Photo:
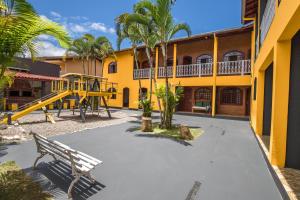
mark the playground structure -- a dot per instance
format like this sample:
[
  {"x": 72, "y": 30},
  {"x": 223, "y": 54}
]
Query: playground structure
[{"x": 87, "y": 90}]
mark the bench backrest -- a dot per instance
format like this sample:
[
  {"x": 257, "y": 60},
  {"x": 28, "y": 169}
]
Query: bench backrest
[{"x": 80, "y": 161}]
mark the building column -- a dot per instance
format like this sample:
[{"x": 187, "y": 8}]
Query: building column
[
  {"x": 259, "y": 102},
  {"x": 281, "y": 80},
  {"x": 174, "y": 60},
  {"x": 215, "y": 68},
  {"x": 156, "y": 63}
]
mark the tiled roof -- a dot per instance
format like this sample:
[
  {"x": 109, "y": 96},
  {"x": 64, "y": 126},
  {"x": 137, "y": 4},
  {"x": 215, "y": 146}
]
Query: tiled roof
[{"x": 23, "y": 75}]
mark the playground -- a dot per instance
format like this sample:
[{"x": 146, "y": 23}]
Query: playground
[{"x": 85, "y": 91}]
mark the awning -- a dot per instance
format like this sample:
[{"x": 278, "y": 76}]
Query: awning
[{"x": 23, "y": 75}]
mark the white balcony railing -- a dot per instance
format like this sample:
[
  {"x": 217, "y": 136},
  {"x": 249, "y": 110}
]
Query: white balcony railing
[
  {"x": 267, "y": 19},
  {"x": 162, "y": 72},
  {"x": 240, "y": 67},
  {"x": 142, "y": 73},
  {"x": 194, "y": 70}
]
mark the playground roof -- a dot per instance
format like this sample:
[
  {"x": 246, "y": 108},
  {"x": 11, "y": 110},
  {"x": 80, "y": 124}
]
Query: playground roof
[
  {"x": 24, "y": 75},
  {"x": 84, "y": 76}
]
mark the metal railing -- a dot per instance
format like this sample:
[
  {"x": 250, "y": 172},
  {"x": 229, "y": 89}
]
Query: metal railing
[
  {"x": 194, "y": 70},
  {"x": 267, "y": 19},
  {"x": 27, "y": 105},
  {"x": 142, "y": 73},
  {"x": 240, "y": 67},
  {"x": 162, "y": 72}
]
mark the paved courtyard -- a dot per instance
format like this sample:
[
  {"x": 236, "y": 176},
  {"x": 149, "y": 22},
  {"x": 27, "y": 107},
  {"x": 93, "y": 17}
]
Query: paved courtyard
[{"x": 224, "y": 163}]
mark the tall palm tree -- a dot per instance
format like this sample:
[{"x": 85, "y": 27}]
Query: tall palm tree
[
  {"x": 143, "y": 34},
  {"x": 164, "y": 29},
  {"x": 78, "y": 49},
  {"x": 20, "y": 26},
  {"x": 128, "y": 31}
]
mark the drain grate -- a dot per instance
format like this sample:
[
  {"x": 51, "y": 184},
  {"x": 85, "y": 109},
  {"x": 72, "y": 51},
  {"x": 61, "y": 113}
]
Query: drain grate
[{"x": 194, "y": 191}]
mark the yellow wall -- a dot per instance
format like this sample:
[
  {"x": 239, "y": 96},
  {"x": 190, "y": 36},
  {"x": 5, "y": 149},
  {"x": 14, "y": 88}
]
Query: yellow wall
[
  {"x": 277, "y": 49},
  {"x": 75, "y": 66},
  {"x": 124, "y": 78}
]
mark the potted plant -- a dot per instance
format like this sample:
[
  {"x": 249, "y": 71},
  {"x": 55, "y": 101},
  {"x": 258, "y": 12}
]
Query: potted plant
[{"x": 147, "y": 112}]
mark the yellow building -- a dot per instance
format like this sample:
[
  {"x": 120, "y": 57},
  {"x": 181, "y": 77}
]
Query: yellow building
[
  {"x": 72, "y": 64},
  {"x": 213, "y": 68},
  {"x": 275, "y": 102}
]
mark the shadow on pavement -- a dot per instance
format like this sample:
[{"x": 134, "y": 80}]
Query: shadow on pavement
[
  {"x": 160, "y": 136},
  {"x": 55, "y": 178}
]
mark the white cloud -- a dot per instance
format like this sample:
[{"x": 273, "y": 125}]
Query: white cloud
[
  {"x": 101, "y": 27},
  {"x": 76, "y": 28},
  {"x": 48, "y": 49},
  {"x": 55, "y": 14}
]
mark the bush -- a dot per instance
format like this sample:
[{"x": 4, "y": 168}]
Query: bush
[{"x": 147, "y": 107}]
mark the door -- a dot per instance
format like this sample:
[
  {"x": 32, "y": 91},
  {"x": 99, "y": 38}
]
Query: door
[
  {"x": 293, "y": 129},
  {"x": 126, "y": 97},
  {"x": 186, "y": 101},
  {"x": 248, "y": 99},
  {"x": 268, "y": 100}
]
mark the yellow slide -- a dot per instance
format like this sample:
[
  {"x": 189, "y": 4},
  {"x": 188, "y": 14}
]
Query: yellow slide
[{"x": 37, "y": 106}]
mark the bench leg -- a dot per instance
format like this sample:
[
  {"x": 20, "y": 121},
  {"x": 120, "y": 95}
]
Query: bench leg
[
  {"x": 72, "y": 185},
  {"x": 90, "y": 177},
  {"x": 54, "y": 157},
  {"x": 36, "y": 160}
]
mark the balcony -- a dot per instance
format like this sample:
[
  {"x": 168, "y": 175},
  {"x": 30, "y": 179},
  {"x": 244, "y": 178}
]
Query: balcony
[
  {"x": 194, "y": 70},
  {"x": 240, "y": 67},
  {"x": 142, "y": 73},
  {"x": 162, "y": 72},
  {"x": 267, "y": 19}
]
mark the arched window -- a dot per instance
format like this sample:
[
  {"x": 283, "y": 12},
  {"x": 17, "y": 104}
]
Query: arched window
[
  {"x": 187, "y": 60},
  {"x": 112, "y": 68},
  {"x": 170, "y": 62},
  {"x": 114, "y": 95},
  {"x": 232, "y": 96},
  {"x": 234, "y": 56},
  {"x": 204, "y": 59}
]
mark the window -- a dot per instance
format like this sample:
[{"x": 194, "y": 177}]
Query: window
[
  {"x": 114, "y": 95},
  {"x": 255, "y": 88},
  {"x": 232, "y": 96},
  {"x": 26, "y": 94},
  {"x": 145, "y": 65},
  {"x": 112, "y": 68},
  {"x": 203, "y": 94},
  {"x": 204, "y": 59},
  {"x": 144, "y": 94},
  {"x": 187, "y": 60},
  {"x": 170, "y": 62},
  {"x": 14, "y": 93},
  {"x": 234, "y": 56}
]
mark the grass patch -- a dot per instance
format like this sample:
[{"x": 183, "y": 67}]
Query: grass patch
[
  {"x": 174, "y": 132},
  {"x": 15, "y": 184}
]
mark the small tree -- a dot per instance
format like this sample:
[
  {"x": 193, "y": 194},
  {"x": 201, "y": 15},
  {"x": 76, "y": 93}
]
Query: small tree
[{"x": 170, "y": 100}]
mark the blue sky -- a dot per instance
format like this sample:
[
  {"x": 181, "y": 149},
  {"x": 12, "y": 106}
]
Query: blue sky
[{"x": 97, "y": 17}]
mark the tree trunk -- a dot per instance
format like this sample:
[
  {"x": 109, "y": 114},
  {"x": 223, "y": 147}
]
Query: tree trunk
[
  {"x": 138, "y": 68},
  {"x": 95, "y": 66},
  {"x": 166, "y": 120},
  {"x": 150, "y": 59},
  {"x": 83, "y": 66},
  {"x": 151, "y": 68}
]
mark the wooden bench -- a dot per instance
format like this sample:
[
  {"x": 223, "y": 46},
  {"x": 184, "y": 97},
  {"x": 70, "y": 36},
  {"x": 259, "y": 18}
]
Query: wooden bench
[
  {"x": 81, "y": 163},
  {"x": 200, "y": 108}
]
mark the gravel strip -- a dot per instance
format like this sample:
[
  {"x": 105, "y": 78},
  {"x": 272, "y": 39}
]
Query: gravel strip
[{"x": 66, "y": 123}]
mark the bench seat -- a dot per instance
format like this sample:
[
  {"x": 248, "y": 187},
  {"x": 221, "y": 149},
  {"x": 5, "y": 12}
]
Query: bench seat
[{"x": 80, "y": 162}]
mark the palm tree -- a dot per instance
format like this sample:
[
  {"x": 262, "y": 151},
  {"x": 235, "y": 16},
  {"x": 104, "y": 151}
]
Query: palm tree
[
  {"x": 20, "y": 27},
  {"x": 164, "y": 29},
  {"x": 128, "y": 31},
  {"x": 78, "y": 48},
  {"x": 139, "y": 33}
]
